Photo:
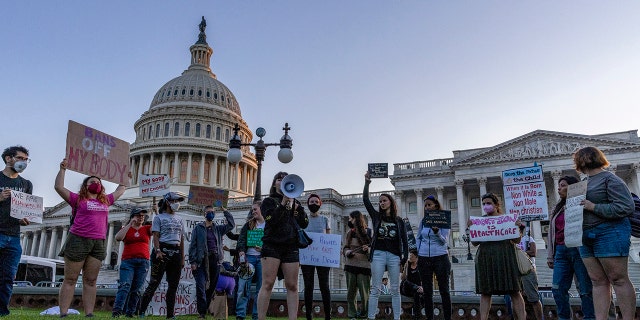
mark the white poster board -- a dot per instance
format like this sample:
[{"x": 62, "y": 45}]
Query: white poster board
[
  {"x": 324, "y": 251},
  {"x": 525, "y": 193},
  {"x": 494, "y": 228},
  {"x": 24, "y": 205},
  {"x": 573, "y": 214},
  {"x": 154, "y": 185}
]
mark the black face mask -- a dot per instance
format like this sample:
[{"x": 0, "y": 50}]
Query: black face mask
[
  {"x": 350, "y": 224},
  {"x": 314, "y": 208}
]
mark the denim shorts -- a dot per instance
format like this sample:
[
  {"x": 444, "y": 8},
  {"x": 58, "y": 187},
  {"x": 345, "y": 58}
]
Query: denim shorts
[
  {"x": 285, "y": 254},
  {"x": 608, "y": 239}
]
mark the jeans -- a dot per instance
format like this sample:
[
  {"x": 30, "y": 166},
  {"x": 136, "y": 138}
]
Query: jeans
[
  {"x": 244, "y": 287},
  {"x": 441, "y": 266},
  {"x": 10, "y": 252},
  {"x": 204, "y": 294},
  {"x": 172, "y": 266},
  {"x": 132, "y": 275},
  {"x": 308, "y": 275},
  {"x": 566, "y": 263},
  {"x": 362, "y": 283},
  {"x": 380, "y": 261}
]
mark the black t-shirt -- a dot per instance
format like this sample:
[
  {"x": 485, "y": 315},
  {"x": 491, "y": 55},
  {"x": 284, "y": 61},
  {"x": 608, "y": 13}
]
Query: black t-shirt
[
  {"x": 10, "y": 225},
  {"x": 388, "y": 236}
]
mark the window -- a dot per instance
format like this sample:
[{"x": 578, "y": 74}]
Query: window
[
  {"x": 166, "y": 129},
  {"x": 175, "y": 92},
  {"x": 199, "y": 93},
  {"x": 218, "y": 133},
  {"x": 191, "y": 92},
  {"x": 184, "y": 91},
  {"x": 226, "y": 135},
  {"x": 475, "y": 202},
  {"x": 208, "y": 94},
  {"x": 207, "y": 172},
  {"x": 215, "y": 95},
  {"x": 413, "y": 207},
  {"x": 453, "y": 204},
  {"x": 176, "y": 129},
  {"x": 157, "y": 130},
  {"x": 183, "y": 171},
  {"x": 149, "y": 136},
  {"x": 171, "y": 173},
  {"x": 197, "y": 130},
  {"x": 144, "y": 133},
  {"x": 195, "y": 168},
  {"x": 169, "y": 92},
  {"x": 208, "y": 131},
  {"x": 187, "y": 129}
]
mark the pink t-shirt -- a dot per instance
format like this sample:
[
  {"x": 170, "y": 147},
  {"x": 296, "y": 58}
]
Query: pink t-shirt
[{"x": 91, "y": 217}]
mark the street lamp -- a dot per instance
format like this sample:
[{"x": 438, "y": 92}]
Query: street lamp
[
  {"x": 285, "y": 155},
  {"x": 467, "y": 239}
]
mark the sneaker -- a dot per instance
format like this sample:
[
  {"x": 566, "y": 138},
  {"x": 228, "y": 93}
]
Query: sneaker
[
  {"x": 116, "y": 314},
  {"x": 90, "y": 315}
]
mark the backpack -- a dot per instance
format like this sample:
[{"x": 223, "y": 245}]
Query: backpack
[{"x": 634, "y": 218}]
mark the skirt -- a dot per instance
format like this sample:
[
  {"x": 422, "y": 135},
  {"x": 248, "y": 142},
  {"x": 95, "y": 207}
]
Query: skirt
[{"x": 497, "y": 268}]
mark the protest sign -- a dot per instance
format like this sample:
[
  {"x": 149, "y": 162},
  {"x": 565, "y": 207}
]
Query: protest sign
[
  {"x": 411, "y": 239},
  {"x": 254, "y": 237},
  {"x": 437, "y": 218},
  {"x": 494, "y": 228},
  {"x": 379, "y": 170},
  {"x": 95, "y": 153},
  {"x": 24, "y": 205},
  {"x": 154, "y": 185},
  {"x": 573, "y": 214},
  {"x": 324, "y": 251},
  {"x": 525, "y": 193},
  {"x": 207, "y": 196}
]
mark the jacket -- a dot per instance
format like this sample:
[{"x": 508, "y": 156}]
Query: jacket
[
  {"x": 437, "y": 242},
  {"x": 551, "y": 236},
  {"x": 280, "y": 227},
  {"x": 359, "y": 259},
  {"x": 242, "y": 238},
  {"x": 198, "y": 246}
]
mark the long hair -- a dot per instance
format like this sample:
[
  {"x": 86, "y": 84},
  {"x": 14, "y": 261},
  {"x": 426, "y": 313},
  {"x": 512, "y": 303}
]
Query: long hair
[
  {"x": 360, "y": 228},
  {"x": 393, "y": 208},
  {"x": 84, "y": 191},
  {"x": 252, "y": 221},
  {"x": 272, "y": 191},
  {"x": 569, "y": 180}
]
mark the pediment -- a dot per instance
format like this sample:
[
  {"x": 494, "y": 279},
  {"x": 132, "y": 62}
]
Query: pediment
[{"x": 541, "y": 144}]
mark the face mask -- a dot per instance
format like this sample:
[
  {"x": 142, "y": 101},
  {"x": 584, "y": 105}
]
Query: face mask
[
  {"x": 95, "y": 188},
  {"x": 314, "y": 208},
  {"x": 209, "y": 216},
  {"x": 175, "y": 206},
  {"x": 350, "y": 224},
  {"x": 19, "y": 166},
  {"x": 487, "y": 208}
]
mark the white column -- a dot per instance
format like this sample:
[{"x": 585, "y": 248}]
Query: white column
[
  {"x": 636, "y": 168},
  {"x": 189, "y": 167},
  {"x": 151, "y": 160},
  {"x": 225, "y": 183},
  {"x": 133, "y": 173},
  {"x": 107, "y": 260},
  {"x": 214, "y": 173},
  {"x": 65, "y": 233},
  {"x": 140, "y": 161},
  {"x": 163, "y": 164},
  {"x": 176, "y": 165},
  {"x": 120, "y": 250},
  {"x": 556, "y": 175},
  {"x": 440, "y": 194},
  {"x": 462, "y": 216},
  {"x": 43, "y": 240},
  {"x": 398, "y": 195},
  {"x": 482, "y": 182},
  {"x": 24, "y": 237},
  {"x": 236, "y": 176},
  {"x": 419, "y": 203},
  {"x": 53, "y": 243},
  {"x": 201, "y": 171}
]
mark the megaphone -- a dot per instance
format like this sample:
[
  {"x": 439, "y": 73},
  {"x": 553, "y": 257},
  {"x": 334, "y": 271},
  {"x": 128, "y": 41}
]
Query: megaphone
[{"x": 292, "y": 186}]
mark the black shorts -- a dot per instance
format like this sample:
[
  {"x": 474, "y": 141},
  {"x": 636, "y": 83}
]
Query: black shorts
[{"x": 285, "y": 254}]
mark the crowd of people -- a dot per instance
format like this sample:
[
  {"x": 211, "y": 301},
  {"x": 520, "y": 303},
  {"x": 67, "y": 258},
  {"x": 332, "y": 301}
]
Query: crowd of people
[{"x": 377, "y": 260}]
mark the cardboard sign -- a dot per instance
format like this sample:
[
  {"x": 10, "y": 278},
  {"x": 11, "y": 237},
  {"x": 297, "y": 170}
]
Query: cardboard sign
[
  {"x": 324, "y": 251},
  {"x": 378, "y": 170},
  {"x": 207, "y": 196},
  {"x": 494, "y": 228},
  {"x": 95, "y": 153},
  {"x": 411, "y": 239},
  {"x": 573, "y": 214},
  {"x": 525, "y": 193},
  {"x": 437, "y": 218},
  {"x": 254, "y": 237},
  {"x": 24, "y": 205},
  {"x": 154, "y": 185}
]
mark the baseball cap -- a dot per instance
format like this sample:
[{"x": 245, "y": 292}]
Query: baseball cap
[
  {"x": 136, "y": 211},
  {"x": 170, "y": 196}
]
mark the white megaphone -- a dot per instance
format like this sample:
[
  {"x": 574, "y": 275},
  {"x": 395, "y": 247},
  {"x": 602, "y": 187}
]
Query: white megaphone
[{"x": 292, "y": 186}]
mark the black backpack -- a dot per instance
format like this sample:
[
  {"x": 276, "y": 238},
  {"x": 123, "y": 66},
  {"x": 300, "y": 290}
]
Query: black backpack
[{"x": 634, "y": 218}]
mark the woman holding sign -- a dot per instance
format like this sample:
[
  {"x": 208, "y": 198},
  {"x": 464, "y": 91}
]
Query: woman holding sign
[
  {"x": 497, "y": 268},
  {"x": 389, "y": 248},
  {"x": 433, "y": 258},
  {"x": 85, "y": 249},
  {"x": 249, "y": 246},
  {"x": 606, "y": 233}
]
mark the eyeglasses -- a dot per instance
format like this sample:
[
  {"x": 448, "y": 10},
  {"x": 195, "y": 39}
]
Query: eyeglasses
[{"x": 22, "y": 159}]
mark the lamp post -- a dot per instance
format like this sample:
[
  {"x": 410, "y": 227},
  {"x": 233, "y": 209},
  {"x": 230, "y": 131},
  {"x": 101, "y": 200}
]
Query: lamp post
[
  {"x": 285, "y": 155},
  {"x": 467, "y": 239}
]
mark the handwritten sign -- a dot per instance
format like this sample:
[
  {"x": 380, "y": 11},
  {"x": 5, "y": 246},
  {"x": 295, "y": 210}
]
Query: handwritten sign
[
  {"x": 206, "y": 196},
  {"x": 525, "y": 193},
  {"x": 437, "y": 218},
  {"x": 379, "y": 170},
  {"x": 494, "y": 228},
  {"x": 411, "y": 239},
  {"x": 573, "y": 214},
  {"x": 323, "y": 252},
  {"x": 24, "y": 205},
  {"x": 96, "y": 153},
  {"x": 154, "y": 185},
  {"x": 254, "y": 237}
]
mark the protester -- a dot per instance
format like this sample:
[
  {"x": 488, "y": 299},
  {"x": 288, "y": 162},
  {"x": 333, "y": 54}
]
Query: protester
[
  {"x": 606, "y": 233},
  {"x": 206, "y": 255},
  {"x": 356, "y": 265},
  {"x": 496, "y": 267},
  {"x": 168, "y": 248},
  {"x": 135, "y": 263},
  {"x": 530, "y": 281},
  {"x": 250, "y": 255},
  {"x": 433, "y": 258},
  {"x": 389, "y": 248},
  {"x": 319, "y": 224},
  {"x": 15, "y": 160},
  {"x": 411, "y": 285},
  {"x": 566, "y": 262},
  {"x": 84, "y": 249},
  {"x": 280, "y": 246}
]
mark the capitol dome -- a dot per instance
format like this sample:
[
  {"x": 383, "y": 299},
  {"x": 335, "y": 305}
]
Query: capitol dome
[{"x": 186, "y": 130}]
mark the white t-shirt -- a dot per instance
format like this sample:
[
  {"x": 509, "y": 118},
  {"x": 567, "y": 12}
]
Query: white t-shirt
[{"x": 523, "y": 245}]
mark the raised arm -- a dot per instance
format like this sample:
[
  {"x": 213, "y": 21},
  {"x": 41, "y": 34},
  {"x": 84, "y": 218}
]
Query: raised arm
[
  {"x": 59, "y": 184},
  {"x": 120, "y": 189},
  {"x": 365, "y": 198}
]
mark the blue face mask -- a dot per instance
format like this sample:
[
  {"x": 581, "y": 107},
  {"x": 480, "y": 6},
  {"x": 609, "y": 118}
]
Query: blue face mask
[{"x": 210, "y": 216}]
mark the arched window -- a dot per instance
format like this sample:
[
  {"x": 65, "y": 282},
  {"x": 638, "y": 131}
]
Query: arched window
[
  {"x": 218, "y": 133},
  {"x": 208, "y": 131},
  {"x": 183, "y": 171},
  {"x": 150, "y": 127},
  {"x": 157, "y": 130},
  {"x": 187, "y": 129},
  {"x": 197, "y": 130},
  {"x": 226, "y": 135},
  {"x": 144, "y": 133},
  {"x": 166, "y": 129},
  {"x": 176, "y": 129}
]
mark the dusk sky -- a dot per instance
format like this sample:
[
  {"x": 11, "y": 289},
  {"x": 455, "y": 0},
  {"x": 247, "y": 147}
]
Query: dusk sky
[{"x": 358, "y": 81}]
